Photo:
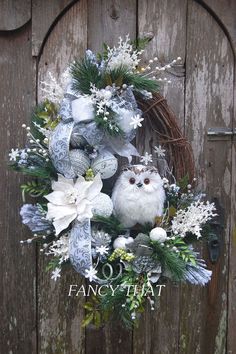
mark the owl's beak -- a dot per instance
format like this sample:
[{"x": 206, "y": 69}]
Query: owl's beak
[{"x": 139, "y": 184}]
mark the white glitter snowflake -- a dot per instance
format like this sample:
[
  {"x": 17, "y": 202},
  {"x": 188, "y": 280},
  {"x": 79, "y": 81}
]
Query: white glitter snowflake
[
  {"x": 102, "y": 250},
  {"x": 60, "y": 248},
  {"x": 146, "y": 158},
  {"x": 192, "y": 218},
  {"x": 159, "y": 151},
  {"x": 136, "y": 121},
  {"x": 91, "y": 273},
  {"x": 56, "y": 273},
  {"x": 123, "y": 55},
  {"x": 14, "y": 154},
  {"x": 52, "y": 88}
]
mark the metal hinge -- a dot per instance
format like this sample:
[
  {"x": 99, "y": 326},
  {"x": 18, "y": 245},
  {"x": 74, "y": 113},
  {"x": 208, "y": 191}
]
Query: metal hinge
[{"x": 221, "y": 132}]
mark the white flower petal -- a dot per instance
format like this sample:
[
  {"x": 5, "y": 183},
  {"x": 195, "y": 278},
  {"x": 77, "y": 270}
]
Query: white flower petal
[
  {"x": 57, "y": 197},
  {"x": 62, "y": 184},
  {"x": 62, "y": 223},
  {"x": 95, "y": 188},
  {"x": 57, "y": 212}
]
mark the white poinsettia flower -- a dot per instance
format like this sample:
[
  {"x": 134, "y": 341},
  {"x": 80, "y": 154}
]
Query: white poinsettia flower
[{"x": 72, "y": 200}]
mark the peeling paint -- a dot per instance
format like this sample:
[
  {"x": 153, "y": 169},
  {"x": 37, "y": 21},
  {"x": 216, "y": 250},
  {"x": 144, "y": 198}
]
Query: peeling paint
[{"x": 220, "y": 339}]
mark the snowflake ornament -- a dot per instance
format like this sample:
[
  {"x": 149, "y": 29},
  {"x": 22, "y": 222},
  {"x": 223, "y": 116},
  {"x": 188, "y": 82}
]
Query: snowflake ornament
[
  {"x": 91, "y": 274},
  {"x": 56, "y": 273},
  {"x": 136, "y": 121},
  {"x": 14, "y": 154},
  {"x": 102, "y": 250},
  {"x": 159, "y": 151},
  {"x": 146, "y": 159}
]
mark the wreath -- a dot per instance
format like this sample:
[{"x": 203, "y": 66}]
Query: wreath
[{"x": 127, "y": 233}]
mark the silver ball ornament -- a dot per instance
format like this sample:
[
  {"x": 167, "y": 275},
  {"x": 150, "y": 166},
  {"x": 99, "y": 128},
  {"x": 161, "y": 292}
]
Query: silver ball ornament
[
  {"x": 80, "y": 161},
  {"x": 106, "y": 164},
  {"x": 102, "y": 205}
]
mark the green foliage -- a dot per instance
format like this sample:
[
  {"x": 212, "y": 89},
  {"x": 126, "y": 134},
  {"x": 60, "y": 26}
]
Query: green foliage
[
  {"x": 184, "y": 251},
  {"x": 122, "y": 75},
  {"x": 85, "y": 73},
  {"x": 45, "y": 115},
  {"x": 169, "y": 260},
  {"x": 183, "y": 182},
  {"x": 36, "y": 188},
  {"x": 140, "y": 43},
  {"x": 93, "y": 313},
  {"x": 53, "y": 264},
  {"x": 47, "y": 171},
  {"x": 110, "y": 224},
  {"x": 121, "y": 254},
  {"x": 141, "y": 83},
  {"x": 109, "y": 126}
]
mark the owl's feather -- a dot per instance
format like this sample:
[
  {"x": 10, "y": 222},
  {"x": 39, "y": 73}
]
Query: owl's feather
[{"x": 139, "y": 201}]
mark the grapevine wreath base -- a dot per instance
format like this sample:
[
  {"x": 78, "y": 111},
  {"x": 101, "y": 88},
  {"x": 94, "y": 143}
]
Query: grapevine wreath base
[{"x": 129, "y": 236}]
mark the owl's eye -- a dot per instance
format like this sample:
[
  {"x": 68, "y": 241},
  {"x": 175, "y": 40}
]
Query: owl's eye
[
  {"x": 147, "y": 181},
  {"x": 132, "y": 180}
]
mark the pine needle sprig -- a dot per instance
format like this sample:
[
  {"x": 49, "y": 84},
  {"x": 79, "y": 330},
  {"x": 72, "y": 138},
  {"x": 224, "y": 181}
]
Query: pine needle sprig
[
  {"x": 84, "y": 73},
  {"x": 35, "y": 171},
  {"x": 141, "y": 83},
  {"x": 169, "y": 260},
  {"x": 110, "y": 224},
  {"x": 122, "y": 75}
]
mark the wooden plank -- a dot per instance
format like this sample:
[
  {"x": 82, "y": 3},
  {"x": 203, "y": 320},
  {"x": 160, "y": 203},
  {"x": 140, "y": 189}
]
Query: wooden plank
[
  {"x": 226, "y": 13},
  {"x": 209, "y": 103},
  {"x": 18, "y": 263},
  {"x": 43, "y": 16},
  {"x": 60, "y": 316},
  {"x": 107, "y": 21},
  {"x": 14, "y": 14},
  {"x": 231, "y": 339},
  {"x": 157, "y": 19}
]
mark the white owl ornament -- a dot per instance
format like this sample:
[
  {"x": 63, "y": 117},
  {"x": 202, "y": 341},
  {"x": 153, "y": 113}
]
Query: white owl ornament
[{"x": 138, "y": 195}]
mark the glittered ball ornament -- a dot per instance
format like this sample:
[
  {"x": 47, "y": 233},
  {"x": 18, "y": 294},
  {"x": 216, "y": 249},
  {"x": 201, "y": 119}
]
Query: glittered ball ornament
[
  {"x": 122, "y": 242},
  {"x": 102, "y": 205},
  {"x": 158, "y": 234},
  {"x": 77, "y": 140},
  {"x": 106, "y": 164},
  {"x": 80, "y": 161}
]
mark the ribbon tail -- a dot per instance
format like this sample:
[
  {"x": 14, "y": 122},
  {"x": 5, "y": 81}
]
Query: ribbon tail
[{"x": 80, "y": 246}]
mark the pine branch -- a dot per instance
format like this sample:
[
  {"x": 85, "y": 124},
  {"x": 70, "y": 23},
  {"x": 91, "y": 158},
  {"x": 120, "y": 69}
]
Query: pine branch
[
  {"x": 140, "y": 43},
  {"x": 141, "y": 83},
  {"x": 169, "y": 260},
  {"x": 38, "y": 172},
  {"x": 110, "y": 224},
  {"x": 84, "y": 73}
]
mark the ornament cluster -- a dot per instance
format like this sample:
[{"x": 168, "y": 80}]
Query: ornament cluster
[{"x": 133, "y": 233}]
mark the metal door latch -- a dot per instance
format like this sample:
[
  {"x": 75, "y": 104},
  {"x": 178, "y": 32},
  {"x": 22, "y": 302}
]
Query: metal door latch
[
  {"x": 215, "y": 235},
  {"x": 215, "y": 132}
]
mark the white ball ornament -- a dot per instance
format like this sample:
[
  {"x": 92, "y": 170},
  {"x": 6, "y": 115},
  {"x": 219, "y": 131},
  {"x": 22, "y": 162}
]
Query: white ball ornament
[
  {"x": 80, "y": 161},
  {"x": 158, "y": 234},
  {"x": 102, "y": 205},
  {"x": 122, "y": 242},
  {"x": 106, "y": 164}
]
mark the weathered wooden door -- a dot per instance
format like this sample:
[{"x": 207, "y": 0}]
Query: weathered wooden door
[{"x": 37, "y": 316}]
